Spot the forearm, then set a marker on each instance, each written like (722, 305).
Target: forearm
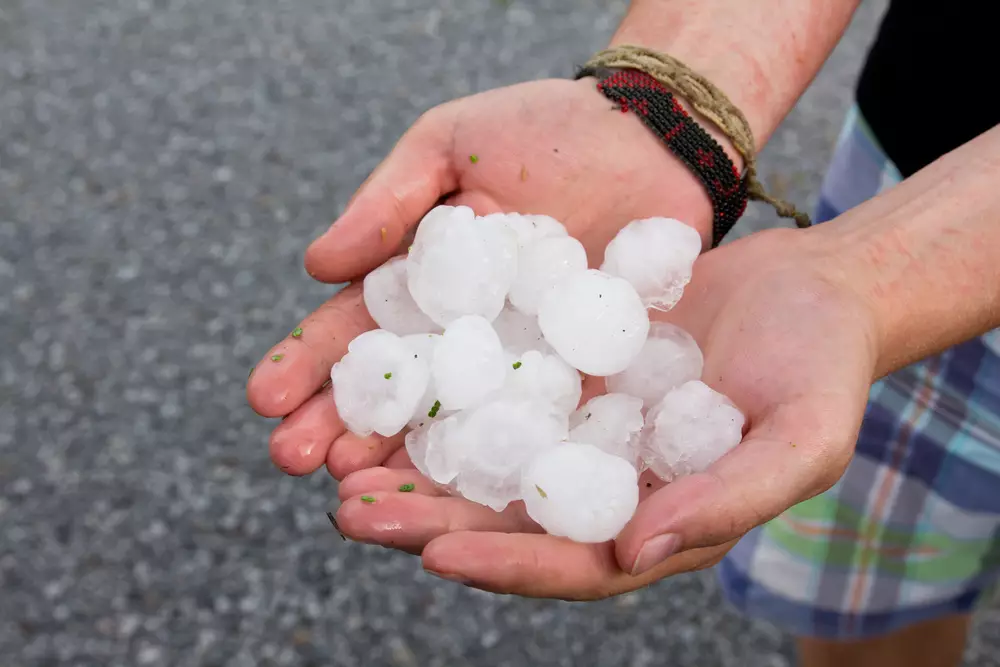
(761, 54)
(926, 254)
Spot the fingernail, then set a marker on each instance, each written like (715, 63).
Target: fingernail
(450, 577)
(655, 551)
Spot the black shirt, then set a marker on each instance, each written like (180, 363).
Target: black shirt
(929, 83)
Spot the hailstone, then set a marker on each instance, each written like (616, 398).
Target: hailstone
(499, 438)
(689, 430)
(378, 383)
(595, 321)
(541, 265)
(669, 358)
(611, 423)
(468, 364)
(527, 228)
(545, 378)
(656, 256)
(389, 302)
(519, 332)
(580, 492)
(460, 265)
(436, 449)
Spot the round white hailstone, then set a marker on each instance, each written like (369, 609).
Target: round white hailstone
(669, 358)
(498, 439)
(596, 322)
(468, 364)
(436, 449)
(460, 265)
(577, 491)
(655, 255)
(378, 384)
(423, 346)
(543, 264)
(545, 378)
(527, 228)
(611, 423)
(389, 302)
(518, 332)
(689, 430)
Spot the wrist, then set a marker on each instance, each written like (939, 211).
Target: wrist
(762, 55)
(679, 193)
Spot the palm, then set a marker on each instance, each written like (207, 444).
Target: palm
(553, 147)
(790, 349)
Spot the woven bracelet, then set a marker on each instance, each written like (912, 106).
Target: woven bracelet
(637, 92)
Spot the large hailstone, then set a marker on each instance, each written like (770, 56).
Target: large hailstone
(527, 228)
(611, 423)
(543, 264)
(436, 449)
(378, 384)
(469, 363)
(499, 439)
(460, 265)
(577, 491)
(519, 332)
(594, 321)
(544, 378)
(656, 256)
(689, 430)
(389, 302)
(423, 347)
(669, 358)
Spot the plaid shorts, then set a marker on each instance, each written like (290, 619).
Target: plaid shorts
(912, 530)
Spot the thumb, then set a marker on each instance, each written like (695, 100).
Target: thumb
(786, 459)
(394, 198)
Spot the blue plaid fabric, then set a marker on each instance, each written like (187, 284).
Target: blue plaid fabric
(912, 530)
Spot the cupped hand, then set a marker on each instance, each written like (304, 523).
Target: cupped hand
(552, 147)
(793, 349)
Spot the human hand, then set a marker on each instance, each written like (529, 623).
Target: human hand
(793, 349)
(552, 147)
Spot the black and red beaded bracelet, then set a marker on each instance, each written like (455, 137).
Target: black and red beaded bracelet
(657, 107)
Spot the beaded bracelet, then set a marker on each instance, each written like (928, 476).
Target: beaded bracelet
(657, 107)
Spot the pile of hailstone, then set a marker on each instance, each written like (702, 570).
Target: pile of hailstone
(485, 327)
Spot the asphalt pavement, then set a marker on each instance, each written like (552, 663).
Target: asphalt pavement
(163, 164)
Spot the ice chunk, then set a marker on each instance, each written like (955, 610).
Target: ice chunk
(596, 322)
(577, 491)
(436, 449)
(611, 423)
(378, 384)
(468, 364)
(388, 300)
(519, 332)
(545, 378)
(499, 438)
(527, 228)
(541, 265)
(460, 265)
(669, 358)
(423, 346)
(689, 430)
(656, 256)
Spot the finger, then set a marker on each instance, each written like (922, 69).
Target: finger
(543, 566)
(376, 480)
(351, 452)
(399, 459)
(300, 443)
(415, 175)
(409, 521)
(294, 369)
(789, 457)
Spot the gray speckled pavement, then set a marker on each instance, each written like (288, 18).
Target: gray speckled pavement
(163, 164)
